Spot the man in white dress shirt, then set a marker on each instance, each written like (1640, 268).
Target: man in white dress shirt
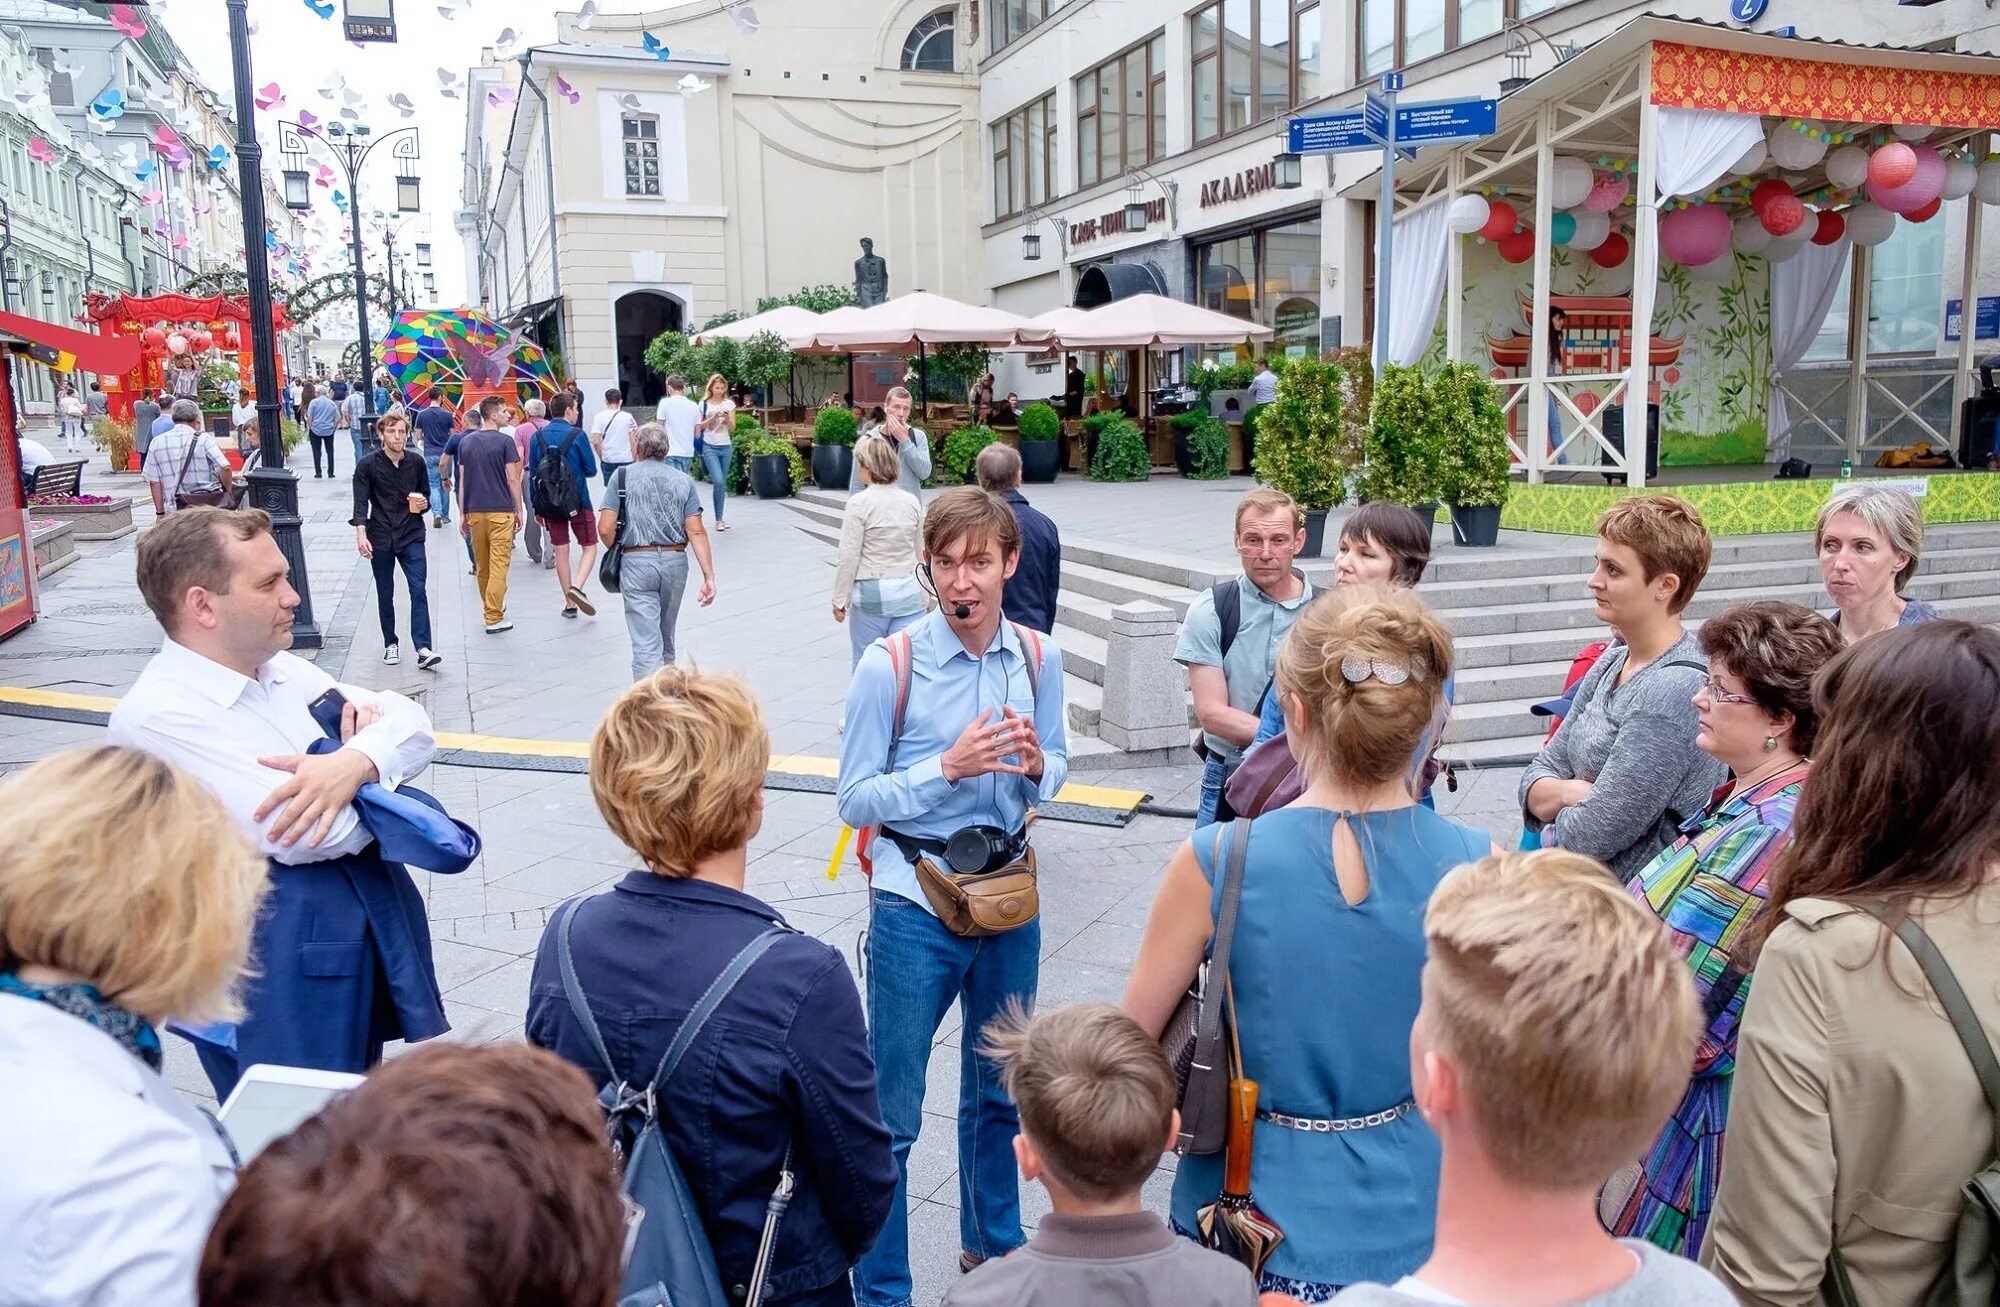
(343, 948)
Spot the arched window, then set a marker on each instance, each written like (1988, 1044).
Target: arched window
(929, 48)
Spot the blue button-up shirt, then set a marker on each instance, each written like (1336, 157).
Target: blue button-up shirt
(949, 688)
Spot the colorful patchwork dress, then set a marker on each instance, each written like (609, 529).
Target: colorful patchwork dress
(1709, 886)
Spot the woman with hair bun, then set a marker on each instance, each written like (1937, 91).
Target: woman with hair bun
(1328, 948)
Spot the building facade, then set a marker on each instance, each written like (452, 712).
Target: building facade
(748, 159)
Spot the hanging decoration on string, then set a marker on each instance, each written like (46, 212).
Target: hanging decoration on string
(655, 47)
(270, 97)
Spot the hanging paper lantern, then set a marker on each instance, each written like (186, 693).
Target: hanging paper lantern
(1892, 165)
(153, 338)
(1715, 271)
(1518, 247)
(201, 342)
(1924, 212)
(1748, 234)
(1694, 236)
(1987, 188)
(1571, 182)
(1501, 220)
(1827, 227)
(1752, 160)
(1959, 179)
(1613, 252)
(1562, 228)
(1847, 167)
(1926, 183)
(1467, 214)
(1591, 230)
(232, 339)
(1783, 214)
(1608, 193)
(1869, 224)
(1780, 251)
(1911, 131)
(177, 344)
(1766, 191)
(1794, 150)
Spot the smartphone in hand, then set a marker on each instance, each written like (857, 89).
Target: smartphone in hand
(327, 711)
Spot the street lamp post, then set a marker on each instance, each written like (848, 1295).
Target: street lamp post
(273, 487)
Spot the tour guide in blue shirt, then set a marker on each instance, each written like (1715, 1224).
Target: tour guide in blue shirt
(982, 741)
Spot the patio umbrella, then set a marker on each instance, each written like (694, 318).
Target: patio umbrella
(907, 323)
(1231, 1224)
(1152, 322)
(787, 320)
(428, 349)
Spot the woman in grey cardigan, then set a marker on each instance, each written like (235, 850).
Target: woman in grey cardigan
(1622, 773)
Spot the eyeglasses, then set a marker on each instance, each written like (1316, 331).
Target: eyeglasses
(1716, 694)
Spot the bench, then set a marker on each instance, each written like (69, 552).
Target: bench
(58, 479)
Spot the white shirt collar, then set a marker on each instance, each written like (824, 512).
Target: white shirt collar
(223, 685)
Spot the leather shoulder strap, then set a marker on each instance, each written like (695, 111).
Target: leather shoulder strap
(711, 999)
(1237, 833)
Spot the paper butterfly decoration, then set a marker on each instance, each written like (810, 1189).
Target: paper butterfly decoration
(200, 209)
(109, 104)
(127, 22)
(334, 85)
(655, 47)
(628, 102)
(453, 10)
(165, 138)
(180, 240)
(40, 150)
(692, 85)
(270, 97)
(401, 103)
(501, 96)
(484, 367)
(308, 119)
(325, 177)
(586, 14)
(144, 171)
(746, 19)
(218, 155)
(340, 201)
(503, 44)
(448, 83)
(270, 240)
(566, 91)
(152, 196)
(60, 63)
(324, 10)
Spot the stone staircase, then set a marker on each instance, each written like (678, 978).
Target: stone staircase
(1518, 615)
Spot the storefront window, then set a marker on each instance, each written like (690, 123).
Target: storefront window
(1245, 65)
(1269, 277)
(1121, 112)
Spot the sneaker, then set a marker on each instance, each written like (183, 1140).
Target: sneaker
(391, 655)
(576, 596)
(428, 659)
(436, 521)
(569, 610)
(495, 628)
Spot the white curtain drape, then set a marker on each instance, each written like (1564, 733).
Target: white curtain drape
(1802, 290)
(1417, 269)
(1696, 147)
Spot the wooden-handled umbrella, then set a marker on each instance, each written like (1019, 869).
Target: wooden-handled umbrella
(1231, 1224)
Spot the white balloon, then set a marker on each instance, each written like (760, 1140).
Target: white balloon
(1779, 251)
(1987, 188)
(1592, 230)
(1960, 176)
(1869, 224)
(1752, 160)
(1749, 236)
(1467, 214)
(1715, 271)
(1572, 180)
(1847, 167)
(1793, 150)
(1911, 131)
(1784, 247)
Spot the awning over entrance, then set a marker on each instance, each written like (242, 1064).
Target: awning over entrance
(111, 356)
(1101, 283)
(529, 314)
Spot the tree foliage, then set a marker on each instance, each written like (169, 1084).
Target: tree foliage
(823, 298)
(1406, 440)
(961, 450)
(1309, 437)
(1474, 460)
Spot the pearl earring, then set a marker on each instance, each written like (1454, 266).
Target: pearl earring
(1770, 744)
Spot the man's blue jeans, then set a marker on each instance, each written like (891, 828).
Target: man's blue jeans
(354, 433)
(916, 969)
(415, 565)
(440, 501)
(1215, 774)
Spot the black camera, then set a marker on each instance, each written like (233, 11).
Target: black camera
(977, 850)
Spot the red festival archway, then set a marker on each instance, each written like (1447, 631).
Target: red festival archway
(223, 320)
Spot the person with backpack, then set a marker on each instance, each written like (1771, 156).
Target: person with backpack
(1862, 1123)
(560, 465)
(733, 1043)
(1230, 637)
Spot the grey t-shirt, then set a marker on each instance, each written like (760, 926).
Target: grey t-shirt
(658, 502)
(1662, 1280)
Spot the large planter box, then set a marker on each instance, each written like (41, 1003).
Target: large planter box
(55, 545)
(91, 521)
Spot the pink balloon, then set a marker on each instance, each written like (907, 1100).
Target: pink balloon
(1609, 192)
(1694, 236)
(1892, 165)
(1783, 215)
(1925, 183)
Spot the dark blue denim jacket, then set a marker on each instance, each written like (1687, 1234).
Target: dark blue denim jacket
(784, 1060)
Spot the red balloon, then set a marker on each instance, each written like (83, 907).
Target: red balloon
(1892, 165)
(153, 338)
(200, 342)
(1768, 190)
(1518, 247)
(1783, 215)
(1830, 229)
(1500, 221)
(1612, 252)
(1924, 212)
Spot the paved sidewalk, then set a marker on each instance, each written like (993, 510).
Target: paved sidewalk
(551, 678)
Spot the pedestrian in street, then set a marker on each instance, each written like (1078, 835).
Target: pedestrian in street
(127, 898)
(982, 740)
(717, 427)
(382, 396)
(1868, 539)
(512, 1135)
(343, 946)
(352, 410)
(1623, 772)
(562, 500)
(1858, 1121)
(1756, 717)
(97, 401)
(1074, 386)
(661, 509)
(1230, 638)
(534, 539)
(145, 412)
(165, 418)
(1344, 1165)
(875, 587)
(611, 433)
(70, 409)
(243, 419)
(680, 416)
(488, 467)
(435, 423)
(391, 493)
(185, 460)
(1555, 1022)
(1030, 597)
(322, 420)
(295, 399)
(913, 444)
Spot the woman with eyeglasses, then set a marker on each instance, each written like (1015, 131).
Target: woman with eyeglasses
(1754, 714)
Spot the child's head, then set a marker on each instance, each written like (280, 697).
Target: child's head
(1096, 1098)
(1558, 1024)
(1385, 544)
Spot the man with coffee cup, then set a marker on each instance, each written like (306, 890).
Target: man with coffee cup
(954, 731)
(391, 496)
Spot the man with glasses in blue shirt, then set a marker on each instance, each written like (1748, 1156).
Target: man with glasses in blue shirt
(981, 742)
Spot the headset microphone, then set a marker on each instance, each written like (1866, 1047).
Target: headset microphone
(961, 611)
(958, 610)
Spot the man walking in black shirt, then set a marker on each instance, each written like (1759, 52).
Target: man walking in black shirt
(391, 492)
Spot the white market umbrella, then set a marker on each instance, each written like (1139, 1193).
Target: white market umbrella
(787, 320)
(909, 322)
(1156, 322)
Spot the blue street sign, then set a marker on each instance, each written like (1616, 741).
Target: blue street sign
(1986, 319)
(1330, 133)
(1392, 81)
(1375, 118)
(1747, 11)
(1430, 123)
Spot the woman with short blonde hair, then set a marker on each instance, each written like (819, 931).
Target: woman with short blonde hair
(1868, 539)
(127, 895)
(875, 589)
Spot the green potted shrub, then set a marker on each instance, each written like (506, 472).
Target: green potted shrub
(1404, 448)
(1474, 462)
(1121, 452)
(1251, 417)
(961, 451)
(1093, 427)
(1183, 426)
(1041, 443)
(775, 466)
(834, 431)
(1208, 450)
(1307, 441)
